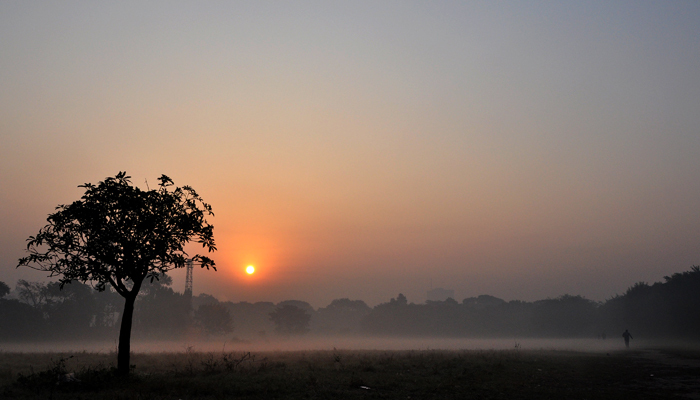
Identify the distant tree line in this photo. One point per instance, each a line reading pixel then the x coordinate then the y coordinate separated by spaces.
pixel 41 311
pixel 666 309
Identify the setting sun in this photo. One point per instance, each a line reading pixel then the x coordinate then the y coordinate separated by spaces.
pixel 250 269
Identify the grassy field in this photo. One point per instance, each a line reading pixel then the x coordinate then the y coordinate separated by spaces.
pixel 338 374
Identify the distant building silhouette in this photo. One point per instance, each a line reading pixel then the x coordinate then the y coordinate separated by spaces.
pixel 440 294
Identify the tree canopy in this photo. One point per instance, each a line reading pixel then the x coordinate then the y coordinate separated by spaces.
pixel 290 320
pixel 214 318
pixel 118 234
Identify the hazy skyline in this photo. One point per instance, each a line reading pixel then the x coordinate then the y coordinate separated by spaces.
pixel 362 149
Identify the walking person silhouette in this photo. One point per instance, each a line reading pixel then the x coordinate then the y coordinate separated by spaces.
pixel 627 335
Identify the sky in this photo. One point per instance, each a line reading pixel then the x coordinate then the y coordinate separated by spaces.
pixel 363 149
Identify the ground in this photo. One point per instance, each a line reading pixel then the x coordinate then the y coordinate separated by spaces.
pixel 355 374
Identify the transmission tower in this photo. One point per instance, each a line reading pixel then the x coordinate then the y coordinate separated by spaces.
pixel 189 266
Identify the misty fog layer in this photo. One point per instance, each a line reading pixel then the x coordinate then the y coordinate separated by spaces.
pixel 41 316
pixel 343 343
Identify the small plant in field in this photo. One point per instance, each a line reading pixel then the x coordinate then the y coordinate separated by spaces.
pixel 231 363
pixel 190 354
pixel 263 365
pixel 54 375
pixel 337 360
pixel 59 367
pixel 210 364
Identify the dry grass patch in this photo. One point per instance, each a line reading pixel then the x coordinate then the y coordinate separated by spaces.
pixel 345 374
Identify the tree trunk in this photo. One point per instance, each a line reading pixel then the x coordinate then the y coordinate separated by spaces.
pixel 125 336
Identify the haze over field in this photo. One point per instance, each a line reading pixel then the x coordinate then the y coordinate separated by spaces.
pixel 522 150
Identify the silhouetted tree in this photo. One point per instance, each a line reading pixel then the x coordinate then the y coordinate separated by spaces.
pixel 120 235
pixel 290 320
pixel 20 321
pixel 308 308
pixel 161 312
pixel 73 311
pixel 32 293
pixel 203 298
pixel 662 309
pixel 396 317
pixel 341 316
pixel 682 302
pixel 70 310
pixel 483 301
pixel 566 316
pixel 400 300
pixel 214 318
pixel 252 318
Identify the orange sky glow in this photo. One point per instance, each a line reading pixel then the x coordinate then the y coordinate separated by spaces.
pixel 361 150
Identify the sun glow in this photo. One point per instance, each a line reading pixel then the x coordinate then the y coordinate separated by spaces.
pixel 250 269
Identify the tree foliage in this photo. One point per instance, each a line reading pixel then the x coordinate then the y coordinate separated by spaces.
pixel 214 318
pixel 290 320
pixel 161 312
pixel 118 234
pixel 32 293
pixel 341 316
